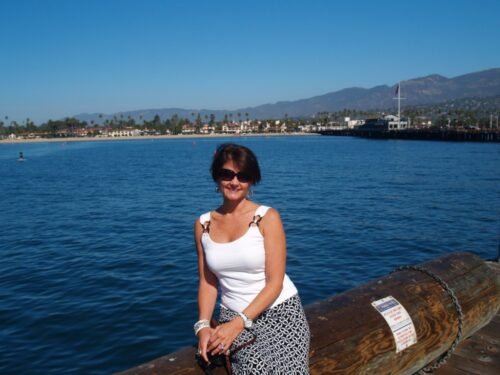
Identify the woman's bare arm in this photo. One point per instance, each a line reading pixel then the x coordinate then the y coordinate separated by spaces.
pixel 207 291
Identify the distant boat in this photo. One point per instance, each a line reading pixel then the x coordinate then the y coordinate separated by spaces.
pixel 21 157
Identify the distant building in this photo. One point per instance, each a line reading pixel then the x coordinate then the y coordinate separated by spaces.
pixel 188 129
pixel 395 123
pixel 231 128
pixel 308 128
pixel 422 122
pixel 207 129
pixel 354 123
pixel 249 127
pixel 130 132
pixel 389 122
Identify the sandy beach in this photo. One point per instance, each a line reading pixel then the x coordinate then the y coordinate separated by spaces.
pixel 152 137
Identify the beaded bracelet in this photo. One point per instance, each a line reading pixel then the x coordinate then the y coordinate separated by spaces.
pixel 199 325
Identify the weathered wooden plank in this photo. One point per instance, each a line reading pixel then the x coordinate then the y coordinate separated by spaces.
pixel 179 363
pixel 451 371
pixel 470 366
pixel 478 354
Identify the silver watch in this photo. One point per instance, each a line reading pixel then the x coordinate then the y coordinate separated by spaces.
pixel 248 323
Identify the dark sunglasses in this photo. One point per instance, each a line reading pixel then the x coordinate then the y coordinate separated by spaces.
pixel 228 175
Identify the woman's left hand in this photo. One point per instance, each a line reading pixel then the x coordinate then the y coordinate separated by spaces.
pixel 223 336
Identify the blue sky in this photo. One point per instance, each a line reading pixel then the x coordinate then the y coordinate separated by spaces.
pixel 64 57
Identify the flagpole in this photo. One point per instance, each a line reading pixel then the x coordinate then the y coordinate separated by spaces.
pixel 399 105
pixel 398 97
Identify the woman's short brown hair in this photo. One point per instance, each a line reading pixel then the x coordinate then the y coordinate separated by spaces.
pixel 242 156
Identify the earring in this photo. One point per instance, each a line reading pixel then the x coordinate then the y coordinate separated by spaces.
pixel 250 193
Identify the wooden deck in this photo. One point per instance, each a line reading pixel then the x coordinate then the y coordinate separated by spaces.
pixel 330 350
pixel 478 354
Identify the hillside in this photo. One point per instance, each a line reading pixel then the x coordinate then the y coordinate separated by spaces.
pixel 427 90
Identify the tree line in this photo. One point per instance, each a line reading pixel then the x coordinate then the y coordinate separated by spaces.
pixel 477 112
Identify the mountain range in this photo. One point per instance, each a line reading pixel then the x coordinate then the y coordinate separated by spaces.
pixel 431 89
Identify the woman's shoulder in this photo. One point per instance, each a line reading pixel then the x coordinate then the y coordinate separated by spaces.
pixel 204 217
pixel 202 223
pixel 262 210
pixel 270 221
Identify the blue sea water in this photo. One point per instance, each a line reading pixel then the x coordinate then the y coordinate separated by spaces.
pixel 98 270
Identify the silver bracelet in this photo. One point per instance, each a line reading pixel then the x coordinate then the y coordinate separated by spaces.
pixel 199 325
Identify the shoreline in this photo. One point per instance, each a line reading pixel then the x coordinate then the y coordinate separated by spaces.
pixel 150 137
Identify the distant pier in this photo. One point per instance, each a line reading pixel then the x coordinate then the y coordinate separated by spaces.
pixel 457 135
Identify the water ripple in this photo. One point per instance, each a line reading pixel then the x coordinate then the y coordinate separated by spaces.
pixel 98 268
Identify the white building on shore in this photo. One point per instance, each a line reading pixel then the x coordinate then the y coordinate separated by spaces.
pixel 394 122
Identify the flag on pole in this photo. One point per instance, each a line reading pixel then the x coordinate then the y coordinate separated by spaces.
pixel 397 89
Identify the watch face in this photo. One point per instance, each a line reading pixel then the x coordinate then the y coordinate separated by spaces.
pixel 247 323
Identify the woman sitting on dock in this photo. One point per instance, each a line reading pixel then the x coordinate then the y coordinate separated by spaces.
pixel 242 250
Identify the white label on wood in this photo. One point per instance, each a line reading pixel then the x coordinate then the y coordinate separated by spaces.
pixel 399 322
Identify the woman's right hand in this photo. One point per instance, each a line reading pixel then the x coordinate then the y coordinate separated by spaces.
pixel 203 338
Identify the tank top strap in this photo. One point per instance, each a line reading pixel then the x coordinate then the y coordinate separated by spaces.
pixel 205 222
pixel 259 214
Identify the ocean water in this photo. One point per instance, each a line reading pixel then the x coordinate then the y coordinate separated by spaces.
pixel 98 270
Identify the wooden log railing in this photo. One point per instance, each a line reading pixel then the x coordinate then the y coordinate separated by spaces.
pixel 349 336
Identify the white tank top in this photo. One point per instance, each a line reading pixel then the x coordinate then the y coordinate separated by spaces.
pixel 240 265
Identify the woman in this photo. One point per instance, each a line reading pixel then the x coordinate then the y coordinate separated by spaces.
pixel 242 251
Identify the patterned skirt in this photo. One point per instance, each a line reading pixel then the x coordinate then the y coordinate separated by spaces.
pixel 277 344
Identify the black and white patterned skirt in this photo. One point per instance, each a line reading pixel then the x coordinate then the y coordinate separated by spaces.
pixel 277 344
